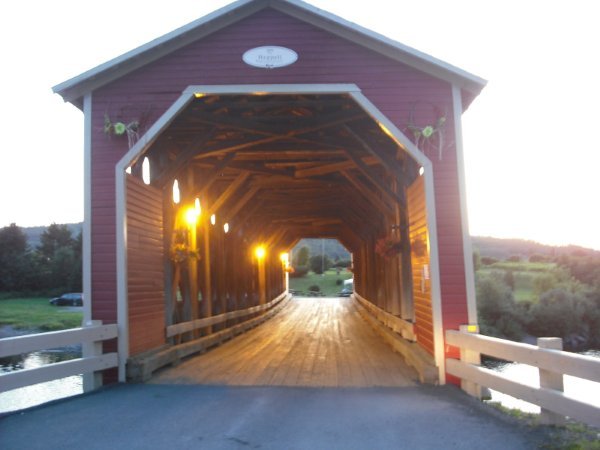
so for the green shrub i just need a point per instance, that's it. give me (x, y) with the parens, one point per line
(499, 315)
(488, 260)
(314, 288)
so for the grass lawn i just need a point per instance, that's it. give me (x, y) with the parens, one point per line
(38, 314)
(326, 282)
(525, 275)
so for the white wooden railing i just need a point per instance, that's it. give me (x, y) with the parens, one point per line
(547, 356)
(183, 327)
(90, 336)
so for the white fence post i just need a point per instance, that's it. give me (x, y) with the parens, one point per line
(551, 380)
(470, 357)
(92, 380)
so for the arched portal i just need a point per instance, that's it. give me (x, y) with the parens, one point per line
(275, 163)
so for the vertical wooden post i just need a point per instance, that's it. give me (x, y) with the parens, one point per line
(207, 281)
(193, 275)
(170, 287)
(262, 281)
(471, 357)
(551, 380)
(407, 308)
(92, 380)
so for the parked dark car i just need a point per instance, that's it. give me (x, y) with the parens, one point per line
(72, 299)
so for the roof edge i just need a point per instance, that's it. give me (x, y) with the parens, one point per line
(382, 44)
(73, 89)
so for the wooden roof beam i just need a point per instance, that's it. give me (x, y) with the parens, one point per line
(335, 167)
(392, 165)
(377, 181)
(367, 193)
(181, 159)
(237, 183)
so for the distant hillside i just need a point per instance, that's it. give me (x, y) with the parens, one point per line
(505, 248)
(487, 246)
(34, 233)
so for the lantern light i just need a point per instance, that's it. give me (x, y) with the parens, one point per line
(146, 170)
(213, 219)
(176, 193)
(226, 228)
(260, 252)
(285, 258)
(191, 216)
(197, 206)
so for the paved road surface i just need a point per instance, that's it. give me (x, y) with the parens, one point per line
(146, 416)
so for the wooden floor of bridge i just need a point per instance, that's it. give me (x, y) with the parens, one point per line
(312, 342)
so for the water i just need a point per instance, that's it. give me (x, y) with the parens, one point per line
(578, 388)
(37, 394)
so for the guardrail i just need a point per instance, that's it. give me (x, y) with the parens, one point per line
(399, 325)
(547, 356)
(91, 335)
(141, 367)
(394, 330)
(192, 325)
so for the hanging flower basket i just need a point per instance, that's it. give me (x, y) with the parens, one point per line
(388, 247)
(181, 253)
(119, 129)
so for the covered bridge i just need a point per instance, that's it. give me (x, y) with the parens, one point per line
(262, 123)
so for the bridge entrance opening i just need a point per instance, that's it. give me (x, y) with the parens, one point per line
(320, 268)
(222, 188)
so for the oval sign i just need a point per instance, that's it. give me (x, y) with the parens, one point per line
(270, 57)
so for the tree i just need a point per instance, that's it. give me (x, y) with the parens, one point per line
(301, 258)
(60, 259)
(498, 313)
(563, 314)
(319, 263)
(15, 259)
(53, 238)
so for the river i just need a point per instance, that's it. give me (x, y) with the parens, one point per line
(37, 394)
(578, 388)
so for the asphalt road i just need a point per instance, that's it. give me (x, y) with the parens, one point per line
(139, 416)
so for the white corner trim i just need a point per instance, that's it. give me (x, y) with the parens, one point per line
(466, 237)
(87, 209)
(122, 288)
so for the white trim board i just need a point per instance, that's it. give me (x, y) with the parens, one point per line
(462, 189)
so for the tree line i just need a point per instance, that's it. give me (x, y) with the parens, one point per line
(51, 268)
(565, 299)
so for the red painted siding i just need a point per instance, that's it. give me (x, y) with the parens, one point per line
(145, 267)
(394, 88)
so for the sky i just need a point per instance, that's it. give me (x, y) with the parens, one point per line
(531, 138)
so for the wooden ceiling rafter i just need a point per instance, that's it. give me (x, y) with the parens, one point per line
(367, 193)
(225, 195)
(377, 181)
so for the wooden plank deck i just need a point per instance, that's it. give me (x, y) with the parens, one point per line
(312, 342)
